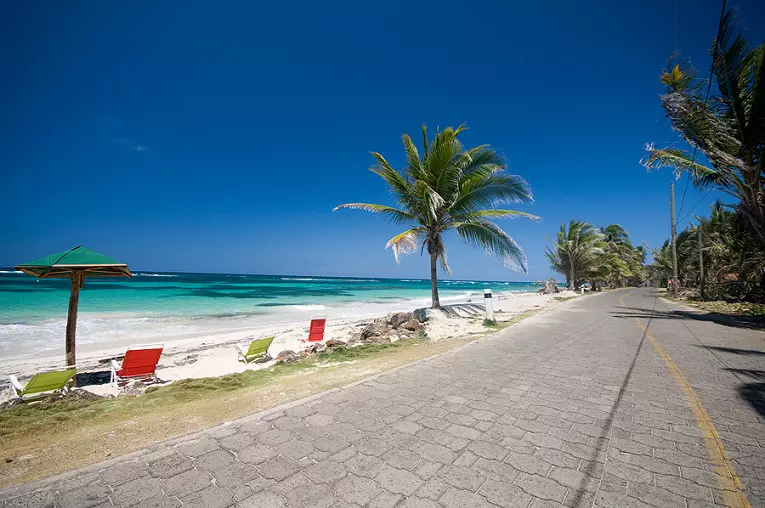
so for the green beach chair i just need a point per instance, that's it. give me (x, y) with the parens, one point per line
(258, 350)
(41, 383)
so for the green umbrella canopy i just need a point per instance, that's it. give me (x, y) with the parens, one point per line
(62, 265)
(74, 264)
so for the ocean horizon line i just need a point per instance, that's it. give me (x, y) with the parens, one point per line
(139, 272)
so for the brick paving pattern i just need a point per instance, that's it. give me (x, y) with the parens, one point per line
(570, 408)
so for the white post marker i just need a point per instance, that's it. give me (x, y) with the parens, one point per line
(489, 307)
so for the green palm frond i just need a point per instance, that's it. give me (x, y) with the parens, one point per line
(429, 201)
(414, 164)
(755, 130)
(393, 214)
(702, 176)
(488, 191)
(494, 241)
(496, 214)
(425, 148)
(396, 182)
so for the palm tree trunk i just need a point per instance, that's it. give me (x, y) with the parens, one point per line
(434, 281)
(572, 282)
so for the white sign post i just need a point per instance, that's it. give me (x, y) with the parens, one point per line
(489, 307)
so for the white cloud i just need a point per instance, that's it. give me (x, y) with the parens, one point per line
(131, 144)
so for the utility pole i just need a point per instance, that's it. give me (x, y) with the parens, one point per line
(674, 238)
(701, 266)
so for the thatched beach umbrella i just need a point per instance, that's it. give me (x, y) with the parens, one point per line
(75, 264)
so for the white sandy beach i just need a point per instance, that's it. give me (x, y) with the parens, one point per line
(214, 354)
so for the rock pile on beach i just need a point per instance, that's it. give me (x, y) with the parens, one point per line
(287, 356)
(394, 326)
(133, 388)
(71, 395)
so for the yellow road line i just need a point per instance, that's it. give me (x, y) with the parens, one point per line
(730, 483)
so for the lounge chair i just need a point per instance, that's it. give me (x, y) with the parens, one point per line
(41, 383)
(316, 330)
(258, 350)
(140, 363)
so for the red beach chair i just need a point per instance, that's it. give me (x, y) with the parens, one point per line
(316, 330)
(140, 363)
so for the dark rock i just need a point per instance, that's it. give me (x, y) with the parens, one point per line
(421, 315)
(10, 403)
(316, 348)
(412, 325)
(133, 388)
(374, 329)
(396, 319)
(287, 356)
(305, 354)
(335, 343)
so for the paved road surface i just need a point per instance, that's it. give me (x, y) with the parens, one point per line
(575, 407)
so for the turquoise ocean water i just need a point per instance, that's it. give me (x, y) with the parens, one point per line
(156, 306)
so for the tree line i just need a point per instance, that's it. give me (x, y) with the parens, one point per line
(723, 120)
(605, 257)
(733, 262)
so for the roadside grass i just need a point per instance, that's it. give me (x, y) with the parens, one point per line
(39, 440)
(29, 419)
(499, 324)
(737, 309)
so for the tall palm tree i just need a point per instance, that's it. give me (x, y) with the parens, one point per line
(615, 234)
(575, 251)
(621, 254)
(450, 188)
(728, 128)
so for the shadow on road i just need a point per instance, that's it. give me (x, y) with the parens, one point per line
(603, 439)
(752, 374)
(754, 394)
(735, 351)
(749, 322)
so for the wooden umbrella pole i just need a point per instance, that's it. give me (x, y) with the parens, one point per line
(71, 321)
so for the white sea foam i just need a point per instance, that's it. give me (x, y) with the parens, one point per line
(141, 274)
(34, 335)
(306, 307)
(326, 279)
(11, 271)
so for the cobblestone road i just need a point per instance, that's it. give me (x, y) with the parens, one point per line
(575, 407)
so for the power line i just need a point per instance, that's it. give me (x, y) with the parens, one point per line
(696, 205)
(706, 99)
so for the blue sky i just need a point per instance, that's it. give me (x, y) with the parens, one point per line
(219, 136)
